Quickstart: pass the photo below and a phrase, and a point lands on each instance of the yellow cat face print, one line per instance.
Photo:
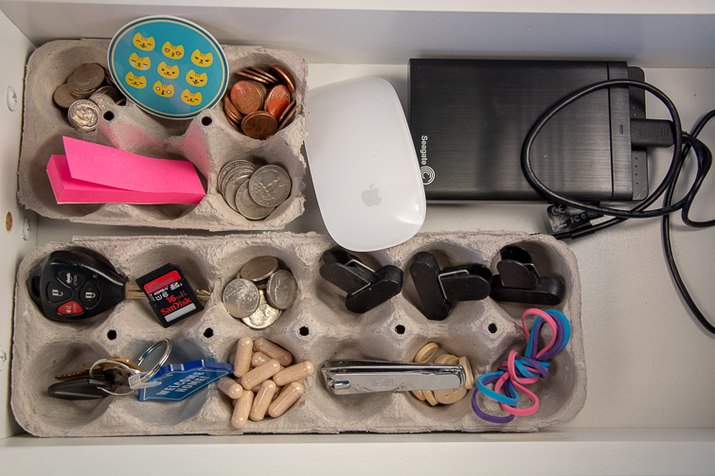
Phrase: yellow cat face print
(135, 81)
(137, 62)
(196, 79)
(163, 90)
(166, 71)
(192, 99)
(144, 43)
(203, 60)
(173, 52)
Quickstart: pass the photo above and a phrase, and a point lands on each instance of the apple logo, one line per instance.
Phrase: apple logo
(371, 196)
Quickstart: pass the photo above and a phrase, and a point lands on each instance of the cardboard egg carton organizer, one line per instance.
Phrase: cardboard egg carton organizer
(317, 328)
(208, 140)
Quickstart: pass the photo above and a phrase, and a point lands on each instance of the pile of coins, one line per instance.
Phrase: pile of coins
(264, 370)
(428, 354)
(260, 293)
(262, 103)
(253, 191)
(87, 91)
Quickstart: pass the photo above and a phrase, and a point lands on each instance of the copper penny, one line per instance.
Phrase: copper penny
(247, 96)
(287, 116)
(262, 73)
(284, 76)
(253, 76)
(231, 112)
(259, 125)
(277, 101)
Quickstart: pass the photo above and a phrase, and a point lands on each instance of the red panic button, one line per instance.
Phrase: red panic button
(70, 308)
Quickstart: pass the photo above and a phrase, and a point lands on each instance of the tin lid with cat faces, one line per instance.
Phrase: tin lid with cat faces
(170, 67)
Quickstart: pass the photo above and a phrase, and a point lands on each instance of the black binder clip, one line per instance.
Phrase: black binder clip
(518, 280)
(366, 288)
(438, 289)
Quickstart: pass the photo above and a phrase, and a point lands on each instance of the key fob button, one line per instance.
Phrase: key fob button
(57, 292)
(70, 308)
(89, 295)
(71, 279)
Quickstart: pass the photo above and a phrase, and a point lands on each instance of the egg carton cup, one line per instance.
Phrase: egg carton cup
(208, 141)
(317, 327)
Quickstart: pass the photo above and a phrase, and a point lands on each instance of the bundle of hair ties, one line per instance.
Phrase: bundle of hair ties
(512, 376)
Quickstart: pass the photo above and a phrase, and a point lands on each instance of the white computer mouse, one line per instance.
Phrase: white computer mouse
(363, 164)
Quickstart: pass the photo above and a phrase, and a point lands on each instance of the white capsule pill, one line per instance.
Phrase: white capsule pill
(263, 400)
(241, 409)
(464, 362)
(273, 351)
(294, 373)
(230, 387)
(259, 374)
(242, 358)
(450, 396)
(288, 396)
(447, 359)
(426, 353)
(258, 359)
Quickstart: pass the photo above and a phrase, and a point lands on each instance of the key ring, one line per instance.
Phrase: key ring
(164, 358)
(122, 365)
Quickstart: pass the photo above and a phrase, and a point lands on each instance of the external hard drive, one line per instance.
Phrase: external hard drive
(469, 118)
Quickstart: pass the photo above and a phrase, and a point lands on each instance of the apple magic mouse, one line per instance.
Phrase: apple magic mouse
(363, 164)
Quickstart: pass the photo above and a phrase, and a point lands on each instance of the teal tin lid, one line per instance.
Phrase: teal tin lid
(170, 67)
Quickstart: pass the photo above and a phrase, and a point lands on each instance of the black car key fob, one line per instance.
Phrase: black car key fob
(81, 389)
(70, 285)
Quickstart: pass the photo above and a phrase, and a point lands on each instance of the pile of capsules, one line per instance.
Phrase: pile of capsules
(509, 382)
(267, 382)
(428, 354)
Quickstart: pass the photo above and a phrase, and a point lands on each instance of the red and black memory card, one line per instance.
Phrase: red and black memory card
(170, 295)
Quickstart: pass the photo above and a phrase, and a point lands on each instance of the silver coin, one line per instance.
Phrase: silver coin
(110, 91)
(247, 207)
(281, 289)
(233, 180)
(259, 268)
(63, 96)
(264, 316)
(103, 101)
(83, 115)
(230, 166)
(241, 298)
(269, 186)
(86, 78)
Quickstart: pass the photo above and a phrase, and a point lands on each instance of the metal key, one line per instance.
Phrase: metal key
(83, 372)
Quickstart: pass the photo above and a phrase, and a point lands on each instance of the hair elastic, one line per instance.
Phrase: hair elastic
(511, 378)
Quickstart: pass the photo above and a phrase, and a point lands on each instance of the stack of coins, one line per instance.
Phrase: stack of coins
(260, 293)
(268, 382)
(253, 191)
(87, 91)
(429, 353)
(262, 102)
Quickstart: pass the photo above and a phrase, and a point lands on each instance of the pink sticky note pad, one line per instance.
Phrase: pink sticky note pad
(92, 173)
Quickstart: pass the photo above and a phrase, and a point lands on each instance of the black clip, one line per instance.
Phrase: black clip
(518, 280)
(438, 289)
(366, 288)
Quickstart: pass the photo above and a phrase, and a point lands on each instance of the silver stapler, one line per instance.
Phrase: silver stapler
(343, 377)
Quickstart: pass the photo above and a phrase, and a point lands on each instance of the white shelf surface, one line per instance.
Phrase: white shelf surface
(649, 366)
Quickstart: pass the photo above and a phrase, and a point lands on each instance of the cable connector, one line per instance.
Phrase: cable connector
(564, 219)
(651, 133)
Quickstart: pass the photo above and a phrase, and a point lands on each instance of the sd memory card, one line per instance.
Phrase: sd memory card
(170, 295)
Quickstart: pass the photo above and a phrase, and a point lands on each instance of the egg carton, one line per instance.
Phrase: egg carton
(208, 141)
(317, 327)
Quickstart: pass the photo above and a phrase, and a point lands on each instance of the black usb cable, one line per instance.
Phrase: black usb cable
(645, 133)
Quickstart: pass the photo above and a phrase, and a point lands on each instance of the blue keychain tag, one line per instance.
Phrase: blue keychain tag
(179, 381)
